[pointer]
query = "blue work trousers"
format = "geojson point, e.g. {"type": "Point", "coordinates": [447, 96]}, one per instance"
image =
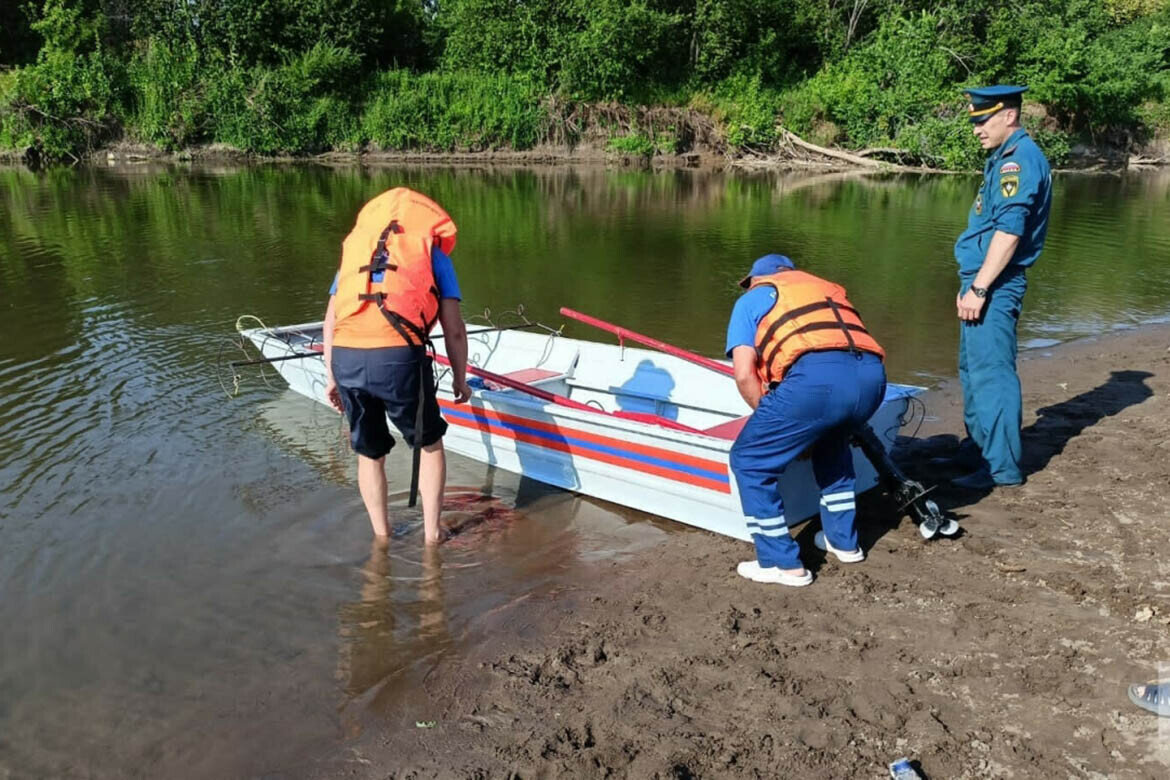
{"type": "Point", "coordinates": [824, 397]}
{"type": "Point", "coordinates": [992, 407]}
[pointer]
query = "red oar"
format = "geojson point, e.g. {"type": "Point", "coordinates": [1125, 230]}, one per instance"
{"type": "Point", "coordinates": [561, 400]}
{"type": "Point", "coordinates": [661, 346]}
{"type": "Point", "coordinates": [543, 395]}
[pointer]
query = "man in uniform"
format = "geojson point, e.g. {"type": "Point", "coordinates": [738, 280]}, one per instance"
{"type": "Point", "coordinates": [1005, 232]}
{"type": "Point", "coordinates": [807, 366]}
{"type": "Point", "coordinates": [395, 280]}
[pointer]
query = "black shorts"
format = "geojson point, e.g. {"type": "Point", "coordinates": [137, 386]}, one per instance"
{"type": "Point", "coordinates": [378, 383]}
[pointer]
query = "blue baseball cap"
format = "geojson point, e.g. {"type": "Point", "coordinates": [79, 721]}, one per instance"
{"type": "Point", "coordinates": [768, 264]}
{"type": "Point", "coordinates": [987, 101]}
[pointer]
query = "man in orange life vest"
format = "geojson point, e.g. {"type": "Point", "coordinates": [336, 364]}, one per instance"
{"type": "Point", "coordinates": [807, 366]}
{"type": "Point", "coordinates": [395, 281]}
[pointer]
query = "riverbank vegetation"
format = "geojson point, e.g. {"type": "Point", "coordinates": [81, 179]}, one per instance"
{"type": "Point", "coordinates": [638, 77]}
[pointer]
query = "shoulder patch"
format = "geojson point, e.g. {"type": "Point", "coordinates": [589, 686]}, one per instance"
{"type": "Point", "coordinates": [1009, 167]}
{"type": "Point", "coordinates": [1009, 185]}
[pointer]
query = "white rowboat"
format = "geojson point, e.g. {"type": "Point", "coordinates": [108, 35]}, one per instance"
{"type": "Point", "coordinates": [654, 434]}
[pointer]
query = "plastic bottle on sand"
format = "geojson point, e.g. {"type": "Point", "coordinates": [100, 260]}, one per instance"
{"type": "Point", "coordinates": [903, 770]}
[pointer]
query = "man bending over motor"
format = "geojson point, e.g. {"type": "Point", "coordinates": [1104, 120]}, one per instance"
{"type": "Point", "coordinates": [807, 366]}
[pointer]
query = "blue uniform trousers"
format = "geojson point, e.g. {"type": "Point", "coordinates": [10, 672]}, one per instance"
{"type": "Point", "coordinates": [824, 397]}
{"type": "Point", "coordinates": [992, 407]}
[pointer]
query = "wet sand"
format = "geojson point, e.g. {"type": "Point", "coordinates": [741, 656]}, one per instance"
{"type": "Point", "coordinates": [1005, 652]}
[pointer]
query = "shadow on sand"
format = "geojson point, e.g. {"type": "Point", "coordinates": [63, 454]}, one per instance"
{"type": "Point", "coordinates": [1043, 440]}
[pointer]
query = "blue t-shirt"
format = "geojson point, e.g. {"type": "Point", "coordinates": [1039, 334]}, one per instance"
{"type": "Point", "coordinates": [441, 267]}
{"type": "Point", "coordinates": [746, 315]}
{"type": "Point", "coordinates": [1015, 197]}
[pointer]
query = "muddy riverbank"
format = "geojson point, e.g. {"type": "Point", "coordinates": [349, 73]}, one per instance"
{"type": "Point", "coordinates": [1003, 653]}
{"type": "Point", "coordinates": [712, 154]}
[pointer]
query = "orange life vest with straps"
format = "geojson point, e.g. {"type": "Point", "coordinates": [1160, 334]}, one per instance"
{"type": "Point", "coordinates": [394, 235]}
{"type": "Point", "coordinates": [810, 315]}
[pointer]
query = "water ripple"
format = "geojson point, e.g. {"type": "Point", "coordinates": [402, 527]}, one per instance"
{"type": "Point", "coordinates": [180, 563]}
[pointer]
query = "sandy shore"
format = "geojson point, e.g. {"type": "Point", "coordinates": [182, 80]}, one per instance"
{"type": "Point", "coordinates": [1003, 653]}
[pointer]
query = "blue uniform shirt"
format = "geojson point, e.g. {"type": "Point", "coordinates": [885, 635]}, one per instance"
{"type": "Point", "coordinates": [441, 267]}
{"type": "Point", "coordinates": [746, 315]}
{"type": "Point", "coordinates": [1015, 197]}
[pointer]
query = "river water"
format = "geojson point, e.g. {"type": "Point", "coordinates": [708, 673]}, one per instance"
{"type": "Point", "coordinates": [187, 583]}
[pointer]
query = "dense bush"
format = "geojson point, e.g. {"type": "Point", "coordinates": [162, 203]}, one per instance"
{"type": "Point", "coordinates": [18, 40]}
{"type": "Point", "coordinates": [65, 102]}
{"type": "Point", "coordinates": [300, 76]}
{"type": "Point", "coordinates": [590, 49]}
{"type": "Point", "coordinates": [301, 106]}
{"type": "Point", "coordinates": [746, 109]}
{"type": "Point", "coordinates": [1089, 73]}
{"type": "Point", "coordinates": [451, 111]}
{"type": "Point", "coordinates": [900, 75]}
{"type": "Point", "coordinates": [272, 32]}
{"type": "Point", "coordinates": [778, 40]}
{"type": "Point", "coordinates": [169, 93]}
{"type": "Point", "coordinates": [902, 84]}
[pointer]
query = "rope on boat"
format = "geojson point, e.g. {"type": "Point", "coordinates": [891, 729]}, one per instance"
{"type": "Point", "coordinates": [521, 321]}
{"type": "Point", "coordinates": [242, 317]}
{"type": "Point", "coordinates": [915, 408]}
{"type": "Point", "coordinates": [230, 378]}
{"type": "Point", "coordinates": [225, 372]}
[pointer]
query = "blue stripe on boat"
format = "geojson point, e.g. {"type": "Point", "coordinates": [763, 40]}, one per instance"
{"type": "Point", "coordinates": [648, 459]}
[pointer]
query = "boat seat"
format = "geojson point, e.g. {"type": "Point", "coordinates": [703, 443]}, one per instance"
{"type": "Point", "coordinates": [728, 430]}
{"type": "Point", "coordinates": [532, 375]}
{"type": "Point", "coordinates": [529, 376]}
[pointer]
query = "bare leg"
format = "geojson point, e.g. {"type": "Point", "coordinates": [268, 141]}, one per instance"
{"type": "Point", "coordinates": [372, 484]}
{"type": "Point", "coordinates": [432, 478]}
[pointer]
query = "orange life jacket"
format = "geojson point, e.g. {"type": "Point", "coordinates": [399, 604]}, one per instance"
{"type": "Point", "coordinates": [394, 234]}
{"type": "Point", "coordinates": [810, 315]}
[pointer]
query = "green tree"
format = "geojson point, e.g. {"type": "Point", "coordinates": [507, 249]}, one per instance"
{"type": "Point", "coordinates": [18, 42]}
{"type": "Point", "coordinates": [269, 32]}
{"type": "Point", "coordinates": [67, 101]}
{"type": "Point", "coordinates": [777, 39]}
{"type": "Point", "coordinates": [590, 49]}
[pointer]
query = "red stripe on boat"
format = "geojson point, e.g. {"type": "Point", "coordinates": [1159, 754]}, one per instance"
{"type": "Point", "coordinates": [484, 420]}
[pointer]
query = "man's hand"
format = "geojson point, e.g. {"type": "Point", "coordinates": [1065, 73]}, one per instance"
{"type": "Point", "coordinates": [970, 306]}
{"type": "Point", "coordinates": [332, 396]}
{"type": "Point", "coordinates": [462, 391]}
{"type": "Point", "coordinates": [455, 339]}
{"type": "Point", "coordinates": [747, 381]}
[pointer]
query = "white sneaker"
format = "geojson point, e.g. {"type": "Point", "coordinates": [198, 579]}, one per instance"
{"type": "Point", "coordinates": [772, 575]}
{"type": "Point", "coordinates": [822, 543]}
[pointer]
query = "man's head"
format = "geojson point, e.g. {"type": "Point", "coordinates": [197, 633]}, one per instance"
{"type": "Point", "coordinates": [995, 113]}
{"type": "Point", "coordinates": [766, 266]}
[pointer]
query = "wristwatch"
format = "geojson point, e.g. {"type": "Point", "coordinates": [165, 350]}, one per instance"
{"type": "Point", "coordinates": [980, 292]}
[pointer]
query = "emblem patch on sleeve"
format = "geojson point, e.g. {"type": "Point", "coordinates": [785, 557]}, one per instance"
{"type": "Point", "coordinates": [1009, 167]}
{"type": "Point", "coordinates": [1009, 185]}
{"type": "Point", "coordinates": [979, 205]}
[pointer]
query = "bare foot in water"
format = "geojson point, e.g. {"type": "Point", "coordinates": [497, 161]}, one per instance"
{"type": "Point", "coordinates": [438, 538]}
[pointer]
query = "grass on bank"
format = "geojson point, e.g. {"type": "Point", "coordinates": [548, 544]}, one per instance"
{"type": "Point", "coordinates": [322, 100]}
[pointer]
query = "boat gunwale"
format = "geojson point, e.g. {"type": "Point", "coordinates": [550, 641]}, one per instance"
{"type": "Point", "coordinates": [600, 419]}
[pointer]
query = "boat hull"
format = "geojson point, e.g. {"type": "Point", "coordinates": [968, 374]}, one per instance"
{"type": "Point", "coordinates": [673, 473]}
